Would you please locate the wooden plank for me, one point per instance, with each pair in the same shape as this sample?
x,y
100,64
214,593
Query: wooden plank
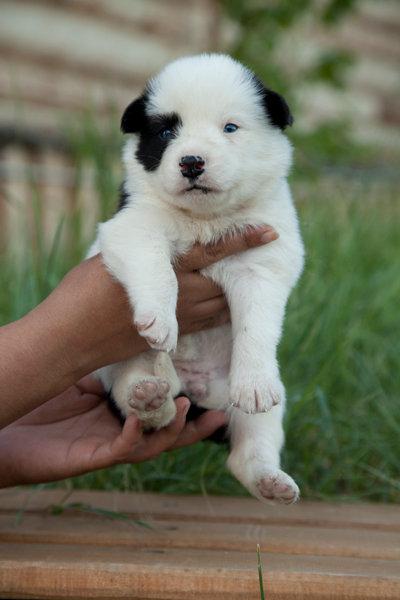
x,y
172,21
63,571
195,547
78,529
211,509
56,64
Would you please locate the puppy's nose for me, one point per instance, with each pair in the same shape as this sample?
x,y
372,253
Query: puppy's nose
x,y
191,166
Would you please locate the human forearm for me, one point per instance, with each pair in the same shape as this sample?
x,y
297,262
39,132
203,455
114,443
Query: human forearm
x,y
28,351
84,324
10,468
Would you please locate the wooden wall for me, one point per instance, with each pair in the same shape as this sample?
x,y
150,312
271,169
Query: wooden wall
x,y
59,58
370,98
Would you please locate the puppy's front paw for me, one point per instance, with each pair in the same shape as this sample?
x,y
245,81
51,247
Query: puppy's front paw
x,y
160,331
256,393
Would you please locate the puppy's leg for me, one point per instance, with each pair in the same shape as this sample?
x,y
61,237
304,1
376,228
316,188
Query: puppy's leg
x,y
146,386
257,310
257,297
140,258
256,441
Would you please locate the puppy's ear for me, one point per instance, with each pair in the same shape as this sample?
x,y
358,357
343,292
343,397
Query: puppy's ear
x,y
277,109
275,106
134,118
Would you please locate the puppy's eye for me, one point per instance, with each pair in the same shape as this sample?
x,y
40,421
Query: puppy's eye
x,y
166,134
230,128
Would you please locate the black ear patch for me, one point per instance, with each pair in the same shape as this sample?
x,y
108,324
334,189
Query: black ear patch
x,y
134,118
275,106
277,109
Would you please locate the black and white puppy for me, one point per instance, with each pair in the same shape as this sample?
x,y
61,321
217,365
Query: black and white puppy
x,y
206,156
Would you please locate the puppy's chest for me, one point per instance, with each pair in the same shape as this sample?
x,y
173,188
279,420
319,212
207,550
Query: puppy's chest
x,y
188,231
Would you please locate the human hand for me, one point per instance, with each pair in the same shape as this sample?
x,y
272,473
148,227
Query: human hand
x,y
201,303
75,433
86,323
99,324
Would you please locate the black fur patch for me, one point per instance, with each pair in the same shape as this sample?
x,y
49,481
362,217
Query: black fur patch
x,y
134,117
275,106
151,146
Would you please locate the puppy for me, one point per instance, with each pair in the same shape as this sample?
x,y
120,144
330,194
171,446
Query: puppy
x,y
206,157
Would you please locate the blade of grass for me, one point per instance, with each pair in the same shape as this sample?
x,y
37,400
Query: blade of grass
x,y
260,573
58,509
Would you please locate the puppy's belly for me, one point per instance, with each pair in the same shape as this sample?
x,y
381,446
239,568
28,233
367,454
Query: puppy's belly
x,y
202,362
199,380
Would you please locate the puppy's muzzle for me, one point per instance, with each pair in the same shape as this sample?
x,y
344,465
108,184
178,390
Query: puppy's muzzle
x,y
191,166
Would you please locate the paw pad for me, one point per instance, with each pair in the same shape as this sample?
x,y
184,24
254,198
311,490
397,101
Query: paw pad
x,y
149,394
278,486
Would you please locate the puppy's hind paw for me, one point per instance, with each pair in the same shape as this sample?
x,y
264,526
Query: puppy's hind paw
x,y
149,394
277,485
150,398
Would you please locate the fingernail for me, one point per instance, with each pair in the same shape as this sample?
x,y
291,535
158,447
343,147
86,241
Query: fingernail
x,y
269,235
263,234
258,229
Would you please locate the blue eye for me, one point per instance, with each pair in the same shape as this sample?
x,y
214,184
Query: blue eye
x,y
166,134
230,128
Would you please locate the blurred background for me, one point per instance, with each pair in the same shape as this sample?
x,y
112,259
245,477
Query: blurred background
x,y
68,68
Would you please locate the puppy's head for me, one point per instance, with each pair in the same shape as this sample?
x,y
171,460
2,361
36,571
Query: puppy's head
x,y
207,135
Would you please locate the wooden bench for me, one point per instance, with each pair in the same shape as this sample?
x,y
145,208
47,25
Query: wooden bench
x,y
80,546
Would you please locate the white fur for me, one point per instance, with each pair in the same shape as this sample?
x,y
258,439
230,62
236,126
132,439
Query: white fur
x,y
231,365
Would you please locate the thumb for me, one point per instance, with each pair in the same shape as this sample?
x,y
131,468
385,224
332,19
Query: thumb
x,y
129,437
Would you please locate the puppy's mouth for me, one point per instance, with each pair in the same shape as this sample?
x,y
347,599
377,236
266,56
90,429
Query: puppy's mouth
x,y
202,188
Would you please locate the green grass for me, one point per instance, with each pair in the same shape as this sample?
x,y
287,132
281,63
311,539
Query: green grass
x,y
339,354
341,347
260,573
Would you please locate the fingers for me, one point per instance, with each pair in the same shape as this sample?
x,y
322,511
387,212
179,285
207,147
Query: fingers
x,y
201,428
209,308
152,444
90,385
134,446
209,323
201,256
127,440
166,437
199,286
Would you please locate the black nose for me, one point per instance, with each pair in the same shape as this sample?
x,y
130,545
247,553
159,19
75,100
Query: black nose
x,y
191,166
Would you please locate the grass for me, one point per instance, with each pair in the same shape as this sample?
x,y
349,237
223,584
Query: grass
x,y
341,346
260,573
339,354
